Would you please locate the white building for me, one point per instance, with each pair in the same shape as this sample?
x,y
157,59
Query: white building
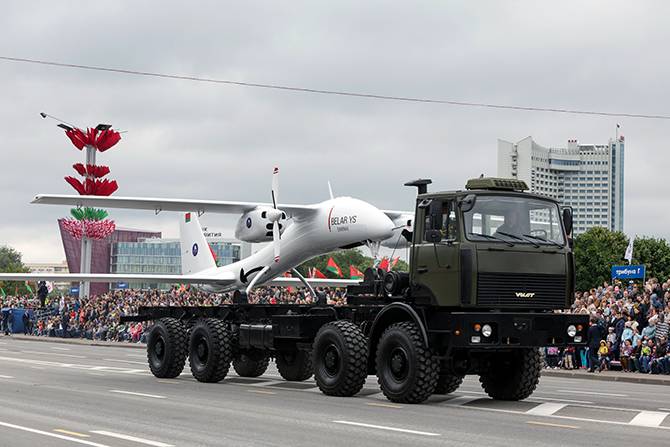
x,y
50,267
587,177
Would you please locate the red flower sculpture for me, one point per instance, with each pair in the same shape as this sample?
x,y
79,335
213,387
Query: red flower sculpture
x,y
102,140
93,229
91,187
91,170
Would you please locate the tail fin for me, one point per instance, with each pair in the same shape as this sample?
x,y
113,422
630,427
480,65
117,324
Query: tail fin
x,y
196,254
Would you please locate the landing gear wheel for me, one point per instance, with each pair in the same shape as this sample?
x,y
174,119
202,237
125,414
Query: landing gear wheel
x,y
512,376
210,350
251,363
340,358
407,370
294,366
166,348
448,383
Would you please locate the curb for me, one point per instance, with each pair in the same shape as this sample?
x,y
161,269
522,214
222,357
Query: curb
x,y
76,341
638,378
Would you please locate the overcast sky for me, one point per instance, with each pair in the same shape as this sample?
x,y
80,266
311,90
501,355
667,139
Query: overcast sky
x,y
196,140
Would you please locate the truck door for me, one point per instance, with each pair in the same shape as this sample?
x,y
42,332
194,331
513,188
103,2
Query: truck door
x,y
435,255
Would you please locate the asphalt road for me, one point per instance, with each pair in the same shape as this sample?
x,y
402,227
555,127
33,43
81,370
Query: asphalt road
x,y
63,395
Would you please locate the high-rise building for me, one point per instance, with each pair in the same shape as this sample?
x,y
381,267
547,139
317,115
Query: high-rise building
x,y
587,177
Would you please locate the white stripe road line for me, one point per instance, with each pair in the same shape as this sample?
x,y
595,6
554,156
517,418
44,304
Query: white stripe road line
x,y
55,353
126,361
546,409
60,349
52,435
131,438
382,427
649,418
154,396
6,377
551,399
461,400
592,393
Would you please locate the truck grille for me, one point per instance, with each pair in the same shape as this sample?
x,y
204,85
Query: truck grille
x,y
516,290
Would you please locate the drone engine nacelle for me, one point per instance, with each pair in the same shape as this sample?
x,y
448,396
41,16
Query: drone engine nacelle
x,y
255,226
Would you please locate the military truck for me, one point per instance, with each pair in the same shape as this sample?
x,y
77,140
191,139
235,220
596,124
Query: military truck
x,y
491,269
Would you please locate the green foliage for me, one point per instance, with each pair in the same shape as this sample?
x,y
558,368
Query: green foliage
x,y
10,262
654,254
88,213
344,258
596,251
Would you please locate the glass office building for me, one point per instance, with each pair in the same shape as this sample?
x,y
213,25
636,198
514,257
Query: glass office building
x,y
163,256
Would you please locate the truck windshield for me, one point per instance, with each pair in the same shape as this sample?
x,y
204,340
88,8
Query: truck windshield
x,y
518,220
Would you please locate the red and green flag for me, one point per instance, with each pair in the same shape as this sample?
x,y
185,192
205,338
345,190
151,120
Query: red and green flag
x,y
333,268
187,217
316,273
395,262
384,265
354,273
29,288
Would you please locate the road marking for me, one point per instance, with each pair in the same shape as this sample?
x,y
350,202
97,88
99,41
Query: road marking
x,y
52,435
6,377
549,424
61,349
261,392
171,382
141,356
461,400
375,404
546,409
154,396
592,393
551,399
649,418
72,433
131,438
383,427
55,353
126,361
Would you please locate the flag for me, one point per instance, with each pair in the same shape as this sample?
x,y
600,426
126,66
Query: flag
x,y
316,273
333,268
384,265
354,273
2,291
187,217
629,251
50,286
29,288
395,262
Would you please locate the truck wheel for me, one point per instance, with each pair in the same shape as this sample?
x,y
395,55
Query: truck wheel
x,y
251,363
340,358
448,383
294,366
210,350
166,348
407,370
512,376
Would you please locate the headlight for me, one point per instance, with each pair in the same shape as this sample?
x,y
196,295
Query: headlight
x,y
487,330
572,330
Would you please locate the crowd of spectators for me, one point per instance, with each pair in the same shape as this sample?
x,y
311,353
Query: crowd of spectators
x,y
98,317
628,329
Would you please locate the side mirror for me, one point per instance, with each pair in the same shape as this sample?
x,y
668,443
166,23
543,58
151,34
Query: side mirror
x,y
433,236
467,203
567,220
435,211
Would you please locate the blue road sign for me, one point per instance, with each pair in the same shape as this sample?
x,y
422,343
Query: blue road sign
x,y
628,271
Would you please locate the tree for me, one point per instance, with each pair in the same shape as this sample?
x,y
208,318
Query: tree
x,y
344,258
10,262
654,254
596,251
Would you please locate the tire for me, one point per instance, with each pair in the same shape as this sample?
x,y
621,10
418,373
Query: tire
x,y
513,376
294,366
166,348
407,370
448,383
251,363
340,359
210,350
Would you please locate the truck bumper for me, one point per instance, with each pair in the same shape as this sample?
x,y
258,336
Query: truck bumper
x,y
518,330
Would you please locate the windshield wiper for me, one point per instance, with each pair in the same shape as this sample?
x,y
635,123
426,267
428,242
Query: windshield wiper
x,y
521,238
488,236
540,238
